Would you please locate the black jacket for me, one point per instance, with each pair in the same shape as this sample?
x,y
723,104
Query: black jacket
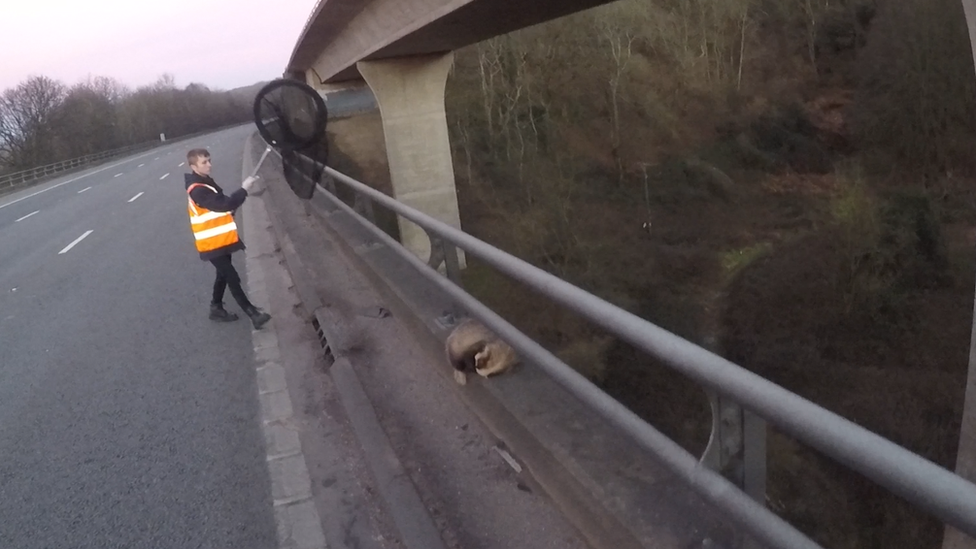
x,y
217,202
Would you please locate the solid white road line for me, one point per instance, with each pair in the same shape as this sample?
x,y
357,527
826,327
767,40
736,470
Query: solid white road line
x,y
26,216
73,244
163,177
117,175
133,199
83,190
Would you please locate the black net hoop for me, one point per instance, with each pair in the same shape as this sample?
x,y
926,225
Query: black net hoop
x,y
291,117
290,114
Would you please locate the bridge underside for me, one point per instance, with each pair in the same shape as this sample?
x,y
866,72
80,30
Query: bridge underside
x,y
343,32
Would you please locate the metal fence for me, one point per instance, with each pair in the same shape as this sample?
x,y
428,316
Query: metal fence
x,y
23,177
17,179
932,488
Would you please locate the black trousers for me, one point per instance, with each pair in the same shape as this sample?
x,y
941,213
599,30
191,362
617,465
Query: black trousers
x,y
227,276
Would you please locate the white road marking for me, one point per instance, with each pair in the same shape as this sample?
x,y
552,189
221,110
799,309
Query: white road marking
x,y
72,180
181,164
163,177
83,190
26,216
117,175
133,199
75,243
157,158
141,165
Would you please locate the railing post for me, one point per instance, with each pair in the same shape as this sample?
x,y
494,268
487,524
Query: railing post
x,y
329,183
451,263
445,253
737,450
436,251
737,445
364,207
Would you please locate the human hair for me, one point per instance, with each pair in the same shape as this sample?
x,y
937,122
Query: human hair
x,y
196,154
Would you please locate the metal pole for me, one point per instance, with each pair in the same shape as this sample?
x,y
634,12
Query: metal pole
x,y
966,454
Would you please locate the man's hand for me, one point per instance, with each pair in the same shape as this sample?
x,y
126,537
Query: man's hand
x,y
249,183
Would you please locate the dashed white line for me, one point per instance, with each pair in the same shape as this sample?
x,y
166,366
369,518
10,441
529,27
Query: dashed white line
x,y
75,243
157,158
83,190
181,164
163,177
26,216
141,165
133,199
117,175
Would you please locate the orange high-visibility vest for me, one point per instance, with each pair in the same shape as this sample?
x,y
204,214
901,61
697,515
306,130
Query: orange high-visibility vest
x,y
212,230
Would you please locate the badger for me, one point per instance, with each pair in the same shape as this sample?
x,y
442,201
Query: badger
x,y
472,346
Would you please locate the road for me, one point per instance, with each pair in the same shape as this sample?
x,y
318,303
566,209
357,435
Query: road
x,y
127,418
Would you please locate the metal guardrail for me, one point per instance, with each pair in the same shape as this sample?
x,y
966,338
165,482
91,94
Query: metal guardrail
x,y
928,486
16,179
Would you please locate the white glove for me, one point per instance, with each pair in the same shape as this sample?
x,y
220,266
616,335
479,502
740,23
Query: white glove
x,y
248,183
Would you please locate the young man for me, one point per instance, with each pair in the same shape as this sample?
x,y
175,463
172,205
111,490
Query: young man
x,y
212,221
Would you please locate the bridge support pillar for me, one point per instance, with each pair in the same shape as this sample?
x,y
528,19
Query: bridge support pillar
x,y
410,95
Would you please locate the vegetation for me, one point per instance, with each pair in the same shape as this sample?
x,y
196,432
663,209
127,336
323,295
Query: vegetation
x,y
787,183
43,120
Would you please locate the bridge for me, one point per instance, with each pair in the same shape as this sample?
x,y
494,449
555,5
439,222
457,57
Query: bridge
x,y
127,419
403,54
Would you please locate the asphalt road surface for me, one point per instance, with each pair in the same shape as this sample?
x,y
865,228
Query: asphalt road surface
x,y
127,418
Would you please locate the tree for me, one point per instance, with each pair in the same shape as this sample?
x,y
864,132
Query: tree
x,y
917,87
43,121
617,31
26,115
87,110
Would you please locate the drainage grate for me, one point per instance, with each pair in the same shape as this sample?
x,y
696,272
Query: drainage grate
x,y
323,341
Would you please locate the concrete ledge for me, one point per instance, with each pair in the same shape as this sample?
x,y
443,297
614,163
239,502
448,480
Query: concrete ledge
x,y
409,512
412,519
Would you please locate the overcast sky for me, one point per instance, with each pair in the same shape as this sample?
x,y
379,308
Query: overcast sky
x,y
221,43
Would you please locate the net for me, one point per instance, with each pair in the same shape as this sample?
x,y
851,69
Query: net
x,y
291,117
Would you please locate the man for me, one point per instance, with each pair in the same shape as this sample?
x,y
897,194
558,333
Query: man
x,y
212,221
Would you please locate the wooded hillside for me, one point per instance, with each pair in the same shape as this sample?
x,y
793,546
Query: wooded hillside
x,y
788,183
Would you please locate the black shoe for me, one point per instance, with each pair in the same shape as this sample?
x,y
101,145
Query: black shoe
x,y
258,317
218,314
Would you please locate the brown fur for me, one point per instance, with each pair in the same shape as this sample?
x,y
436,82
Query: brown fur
x,y
472,346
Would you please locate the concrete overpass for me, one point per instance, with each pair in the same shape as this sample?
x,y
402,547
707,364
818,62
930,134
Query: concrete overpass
x,y
403,49
342,33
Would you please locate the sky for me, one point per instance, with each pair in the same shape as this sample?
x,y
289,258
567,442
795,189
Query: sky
x,y
223,44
